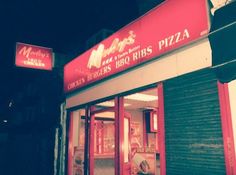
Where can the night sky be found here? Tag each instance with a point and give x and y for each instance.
(63, 25)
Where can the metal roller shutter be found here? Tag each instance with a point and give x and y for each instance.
(193, 134)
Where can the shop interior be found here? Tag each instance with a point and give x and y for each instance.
(142, 110)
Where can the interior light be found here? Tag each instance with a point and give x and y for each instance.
(10, 104)
(141, 97)
(110, 104)
(5, 121)
(105, 115)
(150, 108)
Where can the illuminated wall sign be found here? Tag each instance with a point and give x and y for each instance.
(153, 122)
(35, 57)
(169, 26)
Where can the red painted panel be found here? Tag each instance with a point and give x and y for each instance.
(230, 161)
(165, 28)
(145, 137)
(119, 136)
(161, 130)
(71, 146)
(117, 141)
(127, 165)
(35, 57)
(91, 145)
(86, 146)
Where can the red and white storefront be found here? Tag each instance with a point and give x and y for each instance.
(145, 100)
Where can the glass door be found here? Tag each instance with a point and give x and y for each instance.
(142, 109)
(102, 138)
(76, 159)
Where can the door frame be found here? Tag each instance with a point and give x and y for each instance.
(118, 109)
(90, 143)
(227, 130)
(161, 129)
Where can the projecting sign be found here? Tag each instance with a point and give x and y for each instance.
(34, 57)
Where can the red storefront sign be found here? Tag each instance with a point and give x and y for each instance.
(35, 57)
(169, 26)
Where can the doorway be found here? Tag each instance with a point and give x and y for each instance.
(76, 147)
(143, 110)
(102, 138)
(123, 135)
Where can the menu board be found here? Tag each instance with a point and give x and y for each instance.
(144, 162)
(135, 135)
(78, 168)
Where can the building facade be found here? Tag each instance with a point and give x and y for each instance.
(149, 98)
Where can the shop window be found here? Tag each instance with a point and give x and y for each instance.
(142, 108)
(102, 138)
(125, 141)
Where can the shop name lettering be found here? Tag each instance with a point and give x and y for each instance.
(99, 73)
(29, 54)
(95, 59)
(124, 58)
(147, 51)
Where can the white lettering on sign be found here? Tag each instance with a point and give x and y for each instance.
(34, 62)
(142, 53)
(101, 72)
(28, 52)
(122, 62)
(95, 59)
(76, 83)
(173, 39)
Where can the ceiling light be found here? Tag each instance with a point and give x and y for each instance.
(150, 108)
(105, 115)
(10, 104)
(110, 104)
(141, 97)
(5, 121)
